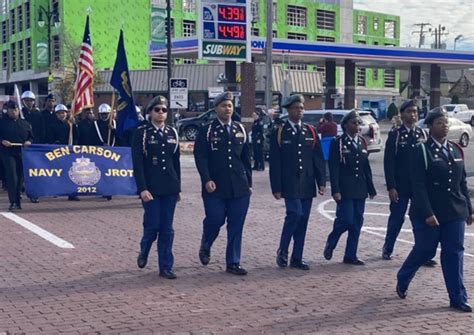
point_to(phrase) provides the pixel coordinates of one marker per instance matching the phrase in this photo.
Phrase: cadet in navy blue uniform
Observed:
(296, 164)
(14, 133)
(222, 157)
(399, 148)
(351, 183)
(60, 130)
(439, 210)
(258, 139)
(156, 167)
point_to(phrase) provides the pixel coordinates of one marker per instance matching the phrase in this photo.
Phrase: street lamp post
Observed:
(48, 17)
(459, 37)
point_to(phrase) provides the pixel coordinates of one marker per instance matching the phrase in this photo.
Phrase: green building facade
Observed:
(24, 48)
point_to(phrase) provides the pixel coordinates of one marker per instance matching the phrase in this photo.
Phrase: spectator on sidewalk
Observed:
(326, 126)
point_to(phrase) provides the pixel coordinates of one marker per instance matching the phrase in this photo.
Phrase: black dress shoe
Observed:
(301, 265)
(386, 256)
(351, 261)
(73, 198)
(328, 251)
(236, 269)
(141, 261)
(402, 294)
(12, 207)
(168, 274)
(282, 259)
(430, 264)
(34, 200)
(204, 255)
(462, 307)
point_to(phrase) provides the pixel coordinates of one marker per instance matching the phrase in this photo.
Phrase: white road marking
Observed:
(38, 231)
(373, 230)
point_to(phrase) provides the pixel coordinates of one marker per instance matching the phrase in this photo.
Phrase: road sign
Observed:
(224, 30)
(179, 93)
(215, 91)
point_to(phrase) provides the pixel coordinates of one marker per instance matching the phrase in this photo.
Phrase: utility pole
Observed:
(268, 56)
(438, 32)
(170, 117)
(422, 32)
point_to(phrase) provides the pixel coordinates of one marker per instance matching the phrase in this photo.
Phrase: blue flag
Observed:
(127, 115)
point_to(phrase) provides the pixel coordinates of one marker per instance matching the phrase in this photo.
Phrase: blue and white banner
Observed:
(77, 170)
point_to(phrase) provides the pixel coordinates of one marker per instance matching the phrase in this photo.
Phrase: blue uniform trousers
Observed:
(158, 222)
(451, 237)
(395, 222)
(296, 223)
(349, 217)
(217, 211)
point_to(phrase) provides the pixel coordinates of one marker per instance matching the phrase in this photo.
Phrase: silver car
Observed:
(459, 131)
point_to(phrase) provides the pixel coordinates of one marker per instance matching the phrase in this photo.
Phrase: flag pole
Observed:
(111, 118)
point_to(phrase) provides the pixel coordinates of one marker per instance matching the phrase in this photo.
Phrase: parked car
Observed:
(189, 127)
(460, 112)
(369, 127)
(459, 131)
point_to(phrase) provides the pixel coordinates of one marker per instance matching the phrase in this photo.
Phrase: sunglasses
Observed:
(160, 109)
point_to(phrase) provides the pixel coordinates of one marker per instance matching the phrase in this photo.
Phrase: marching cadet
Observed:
(104, 131)
(61, 129)
(86, 128)
(156, 167)
(296, 164)
(439, 211)
(258, 139)
(14, 134)
(399, 148)
(104, 134)
(222, 158)
(48, 114)
(351, 183)
(32, 114)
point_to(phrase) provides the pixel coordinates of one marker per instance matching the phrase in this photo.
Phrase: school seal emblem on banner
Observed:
(83, 172)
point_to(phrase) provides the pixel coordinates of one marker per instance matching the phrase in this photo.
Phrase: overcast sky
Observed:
(456, 15)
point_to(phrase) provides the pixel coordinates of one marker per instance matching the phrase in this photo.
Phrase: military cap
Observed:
(408, 104)
(434, 114)
(11, 104)
(158, 100)
(292, 99)
(60, 108)
(222, 97)
(50, 97)
(353, 114)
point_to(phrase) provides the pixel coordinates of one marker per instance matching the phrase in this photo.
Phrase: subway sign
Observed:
(224, 50)
(224, 30)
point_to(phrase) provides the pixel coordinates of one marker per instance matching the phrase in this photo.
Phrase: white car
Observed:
(459, 132)
(460, 112)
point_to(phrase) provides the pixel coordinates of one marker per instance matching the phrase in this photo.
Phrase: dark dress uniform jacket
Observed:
(349, 168)
(59, 132)
(87, 132)
(225, 159)
(439, 183)
(296, 162)
(399, 148)
(257, 131)
(15, 131)
(104, 132)
(156, 164)
(35, 119)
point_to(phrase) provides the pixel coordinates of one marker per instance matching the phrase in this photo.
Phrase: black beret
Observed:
(50, 97)
(349, 116)
(223, 97)
(434, 114)
(158, 100)
(11, 104)
(292, 99)
(408, 104)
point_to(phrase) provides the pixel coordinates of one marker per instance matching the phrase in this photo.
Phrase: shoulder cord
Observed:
(177, 139)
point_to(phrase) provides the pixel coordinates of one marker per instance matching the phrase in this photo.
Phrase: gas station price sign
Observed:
(224, 30)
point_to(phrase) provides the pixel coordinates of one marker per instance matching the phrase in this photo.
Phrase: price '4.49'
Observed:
(231, 31)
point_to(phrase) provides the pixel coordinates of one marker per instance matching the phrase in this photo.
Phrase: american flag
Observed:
(83, 91)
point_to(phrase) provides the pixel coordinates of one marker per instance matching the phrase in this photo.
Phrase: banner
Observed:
(158, 26)
(77, 170)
